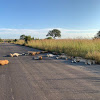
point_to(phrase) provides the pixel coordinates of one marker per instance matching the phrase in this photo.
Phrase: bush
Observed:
(9, 41)
(15, 40)
(27, 38)
(1, 40)
(49, 38)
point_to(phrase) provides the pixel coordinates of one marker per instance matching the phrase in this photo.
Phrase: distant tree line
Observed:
(52, 34)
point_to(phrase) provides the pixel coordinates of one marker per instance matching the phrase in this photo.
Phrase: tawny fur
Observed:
(11, 55)
(55, 53)
(90, 62)
(4, 62)
(44, 51)
(14, 54)
(40, 57)
(32, 53)
(62, 57)
(37, 52)
(50, 55)
(76, 59)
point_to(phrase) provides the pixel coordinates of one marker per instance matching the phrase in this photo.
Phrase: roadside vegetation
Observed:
(73, 47)
(86, 48)
(1, 40)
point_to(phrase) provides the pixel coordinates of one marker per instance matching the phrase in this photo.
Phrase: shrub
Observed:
(49, 38)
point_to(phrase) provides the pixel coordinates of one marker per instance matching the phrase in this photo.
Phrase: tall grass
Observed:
(73, 47)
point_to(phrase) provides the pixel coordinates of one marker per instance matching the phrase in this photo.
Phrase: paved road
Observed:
(49, 79)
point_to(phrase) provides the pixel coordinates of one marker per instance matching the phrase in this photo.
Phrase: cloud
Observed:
(41, 33)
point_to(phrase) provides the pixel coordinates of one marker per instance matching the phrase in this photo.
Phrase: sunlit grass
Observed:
(73, 47)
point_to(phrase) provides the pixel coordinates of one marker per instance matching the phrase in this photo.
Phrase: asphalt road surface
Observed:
(48, 79)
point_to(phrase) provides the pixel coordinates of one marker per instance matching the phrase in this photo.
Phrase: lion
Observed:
(4, 62)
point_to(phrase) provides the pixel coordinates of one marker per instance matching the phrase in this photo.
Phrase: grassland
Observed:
(85, 48)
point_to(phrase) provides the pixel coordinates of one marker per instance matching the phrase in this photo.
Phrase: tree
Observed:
(1, 40)
(22, 37)
(15, 40)
(27, 38)
(54, 33)
(9, 41)
(97, 35)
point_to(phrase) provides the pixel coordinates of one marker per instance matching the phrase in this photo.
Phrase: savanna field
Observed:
(85, 48)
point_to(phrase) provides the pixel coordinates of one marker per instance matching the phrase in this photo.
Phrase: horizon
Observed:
(74, 18)
(41, 33)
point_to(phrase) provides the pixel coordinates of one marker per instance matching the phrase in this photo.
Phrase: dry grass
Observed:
(73, 47)
(94, 56)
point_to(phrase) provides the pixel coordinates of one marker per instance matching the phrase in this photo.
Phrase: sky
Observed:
(74, 18)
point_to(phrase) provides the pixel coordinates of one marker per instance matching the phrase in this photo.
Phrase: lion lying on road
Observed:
(38, 58)
(4, 62)
(15, 54)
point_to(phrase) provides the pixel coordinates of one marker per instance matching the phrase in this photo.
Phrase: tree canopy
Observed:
(54, 33)
(22, 37)
(27, 38)
(97, 35)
